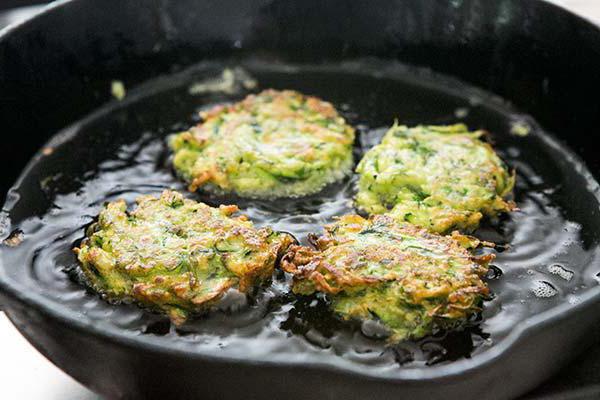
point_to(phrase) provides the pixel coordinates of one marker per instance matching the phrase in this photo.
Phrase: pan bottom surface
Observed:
(545, 256)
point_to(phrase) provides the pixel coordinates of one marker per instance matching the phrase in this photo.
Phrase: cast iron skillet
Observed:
(56, 68)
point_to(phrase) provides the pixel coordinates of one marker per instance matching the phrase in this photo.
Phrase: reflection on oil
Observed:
(121, 153)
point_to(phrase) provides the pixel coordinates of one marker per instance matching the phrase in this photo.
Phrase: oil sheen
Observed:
(545, 254)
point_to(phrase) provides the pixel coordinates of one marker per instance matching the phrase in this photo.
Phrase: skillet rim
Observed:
(52, 310)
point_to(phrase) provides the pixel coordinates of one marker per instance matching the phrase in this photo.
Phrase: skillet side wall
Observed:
(119, 371)
(58, 67)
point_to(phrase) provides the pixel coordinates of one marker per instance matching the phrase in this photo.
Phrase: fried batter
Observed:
(406, 278)
(176, 255)
(437, 177)
(273, 144)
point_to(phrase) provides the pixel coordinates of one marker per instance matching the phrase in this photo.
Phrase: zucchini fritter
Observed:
(408, 279)
(176, 255)
(273, 144)
(437, 177)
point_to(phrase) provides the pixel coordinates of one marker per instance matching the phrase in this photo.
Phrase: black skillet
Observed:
(58, 67)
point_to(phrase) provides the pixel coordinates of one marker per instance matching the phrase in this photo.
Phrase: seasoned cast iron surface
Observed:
(120, 152)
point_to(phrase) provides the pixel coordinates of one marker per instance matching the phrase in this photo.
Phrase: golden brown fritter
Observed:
(176, 255)
(437, 177)
(405, 277)
(273, 144)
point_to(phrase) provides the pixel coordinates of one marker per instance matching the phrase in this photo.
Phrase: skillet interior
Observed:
(545, 250)
(569, 195)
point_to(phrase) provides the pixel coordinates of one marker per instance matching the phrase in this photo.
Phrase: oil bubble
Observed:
(561, 271)
(544, 289)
